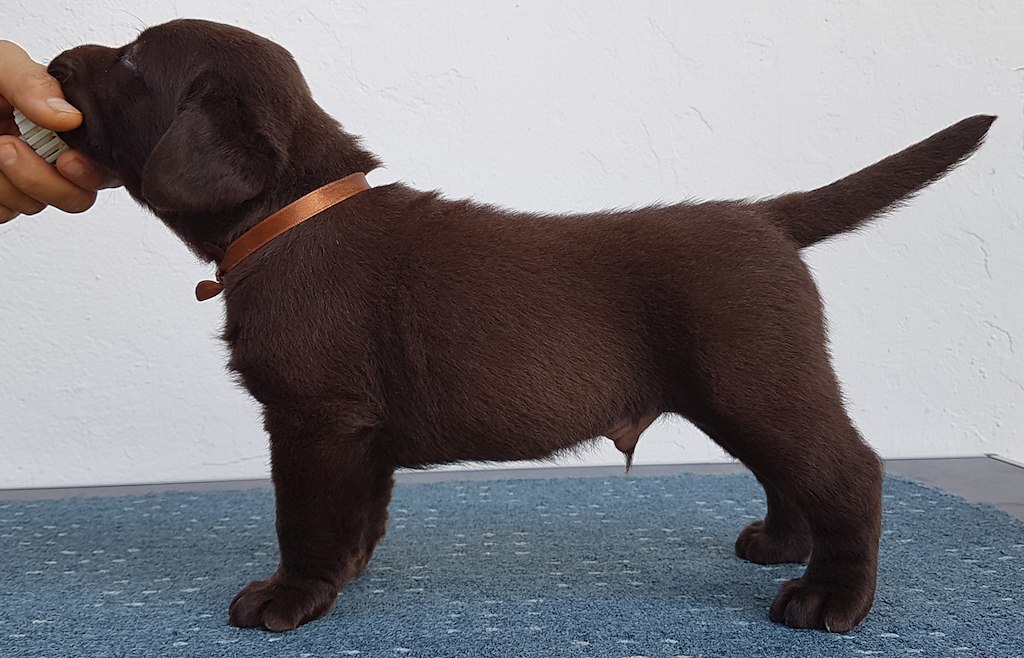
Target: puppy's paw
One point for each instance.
(757, 544)
(800, 604)
(281, 603)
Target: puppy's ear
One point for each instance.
(209, 159)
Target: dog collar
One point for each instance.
(281, 222)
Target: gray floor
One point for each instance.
(988, 479)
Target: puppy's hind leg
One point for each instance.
(824, 498)
(332, 493)
(766, 392)
(782, 536)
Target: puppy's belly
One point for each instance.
(533, 397)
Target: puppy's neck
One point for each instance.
(320, 152)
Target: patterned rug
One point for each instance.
(622, 566)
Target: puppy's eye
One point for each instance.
(126, 61)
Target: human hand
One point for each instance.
(27, 183)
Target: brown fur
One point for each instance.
(402, 329)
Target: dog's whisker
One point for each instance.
(141, 23)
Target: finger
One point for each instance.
(6, 215)
(25, 84)
(30, 174)
(17, 201)
(79, 170)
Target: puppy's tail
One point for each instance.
(846, 204)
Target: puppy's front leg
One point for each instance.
(332, 494)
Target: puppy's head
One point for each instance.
(192, 115)
(200, 119)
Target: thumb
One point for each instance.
(26, 85)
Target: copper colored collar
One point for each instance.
(280, 222)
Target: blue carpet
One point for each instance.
(626, 566)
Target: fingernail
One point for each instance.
(74, 168)
(8, 155)
(61, 105)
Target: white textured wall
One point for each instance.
(110, 371)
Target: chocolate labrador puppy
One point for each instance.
(401, 329)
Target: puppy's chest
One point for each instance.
(284, 356)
